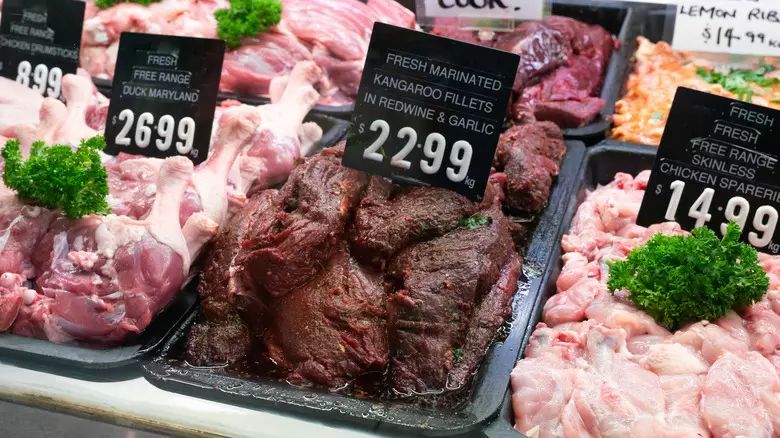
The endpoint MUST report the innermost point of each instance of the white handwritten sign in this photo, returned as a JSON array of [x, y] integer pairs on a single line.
[[506, 9], [740, 27]]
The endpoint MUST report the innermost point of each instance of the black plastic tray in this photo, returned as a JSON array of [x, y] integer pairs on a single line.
[[88, 362], [170, 373], [653, 22], [601, 164], [67, 359], [333, 130]]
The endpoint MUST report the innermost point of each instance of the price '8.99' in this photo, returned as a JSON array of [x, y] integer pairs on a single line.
[[41, 79], [140, 131], [434, 148], [737, 210]]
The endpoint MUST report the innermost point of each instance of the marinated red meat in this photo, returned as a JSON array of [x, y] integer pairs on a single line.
[[336, 276], [386, 221], [333, 327], [530, 156]]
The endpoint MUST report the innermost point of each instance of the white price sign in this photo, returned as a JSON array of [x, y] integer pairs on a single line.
[[739, 27], [506, 9]]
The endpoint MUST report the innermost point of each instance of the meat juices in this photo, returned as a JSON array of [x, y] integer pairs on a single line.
[[598, 366], [335, 276]]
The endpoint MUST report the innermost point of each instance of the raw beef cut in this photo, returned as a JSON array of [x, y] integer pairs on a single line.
[[530, 156], [716, 378], [333, 33], [562, 63], [337, 275]]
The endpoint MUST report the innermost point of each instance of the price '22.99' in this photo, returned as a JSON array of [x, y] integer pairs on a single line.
[[47, 82], [166, 128], [434, 148]]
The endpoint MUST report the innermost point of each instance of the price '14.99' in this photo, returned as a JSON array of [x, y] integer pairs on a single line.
[[433, 148], [737, 209]]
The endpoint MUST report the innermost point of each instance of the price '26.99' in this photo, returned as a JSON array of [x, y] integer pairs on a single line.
[[434, 148], [140, 131], [737, 210], [47, 82]]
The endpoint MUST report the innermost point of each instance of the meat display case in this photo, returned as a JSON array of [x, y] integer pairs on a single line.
[[599, 167], [67, 359], [168, 371]]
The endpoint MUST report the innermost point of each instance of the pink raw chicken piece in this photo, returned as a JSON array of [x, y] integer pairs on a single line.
[[670, 359], [763, 324], [741, 397], [543, 382], [281, 137], [713, 340], [18, 105], [61, 124], [683, 418], [106, 276], [615, 313], [616, 392], [570, 306]]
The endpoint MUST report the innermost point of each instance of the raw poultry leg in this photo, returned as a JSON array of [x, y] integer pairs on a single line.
[[277, 145], [106, 276]]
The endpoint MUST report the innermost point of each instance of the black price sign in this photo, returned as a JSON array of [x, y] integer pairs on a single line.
[[717, 162], [430, 110], [40, 42], [164, 96]]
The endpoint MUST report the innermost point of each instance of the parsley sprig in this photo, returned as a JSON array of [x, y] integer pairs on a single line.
[[59, 177], [246, 18], [679, 279]]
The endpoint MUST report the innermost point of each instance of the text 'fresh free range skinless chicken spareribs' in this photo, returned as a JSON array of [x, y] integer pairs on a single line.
[[100, 279]]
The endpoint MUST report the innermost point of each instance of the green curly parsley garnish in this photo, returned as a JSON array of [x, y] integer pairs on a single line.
[[246, 18], [109, 3], [740, 82], [58, 177], [476, 221], [680, 279], [457, 355]]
